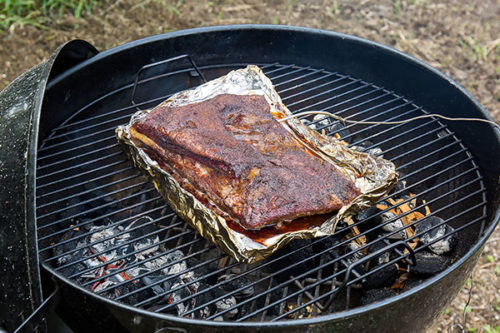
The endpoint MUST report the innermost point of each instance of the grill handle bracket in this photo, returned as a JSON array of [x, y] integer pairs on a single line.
[[162, 62], [35, 318], [375, 254]]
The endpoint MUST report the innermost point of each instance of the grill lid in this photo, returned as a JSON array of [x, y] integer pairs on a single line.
[[20, 104]]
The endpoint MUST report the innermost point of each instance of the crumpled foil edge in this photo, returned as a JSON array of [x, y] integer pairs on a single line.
[[374, 176]]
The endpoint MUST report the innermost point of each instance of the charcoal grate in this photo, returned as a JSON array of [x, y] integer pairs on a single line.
[[102, 224]]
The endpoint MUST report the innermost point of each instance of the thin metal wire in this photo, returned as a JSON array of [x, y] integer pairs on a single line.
[[435, 115]]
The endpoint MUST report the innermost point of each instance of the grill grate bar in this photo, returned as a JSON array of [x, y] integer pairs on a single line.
[[142, 249], [130, 108], [307, 89], [327, 75], [356, 105], [360, 278], [294, 71], [82, 224], [79, 156], [427, 202], [249, 315], [156, 256], [413, 129], [60, 152], [121, 180], [384, 112], [279, 68], [127, 188], [101, 217], [173, 276], [128, 168], [444, 147], [310, 258], [427, 144], [365, 110], [268, 299], [329, 91], [315, 88], [80, 138], [79, 165], [153, 221], [392, 128], [83, 173]]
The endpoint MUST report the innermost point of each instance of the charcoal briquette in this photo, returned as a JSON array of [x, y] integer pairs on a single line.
[[428, 230], [394, 228], [294, 260], [237, 283], [428, 264]]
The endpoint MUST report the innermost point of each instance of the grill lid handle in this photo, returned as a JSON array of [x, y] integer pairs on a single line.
[[20, 105]]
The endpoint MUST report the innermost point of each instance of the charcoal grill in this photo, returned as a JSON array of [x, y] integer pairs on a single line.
[[81, 183]]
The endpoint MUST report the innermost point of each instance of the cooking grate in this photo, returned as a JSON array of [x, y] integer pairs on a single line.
[[91, 202]]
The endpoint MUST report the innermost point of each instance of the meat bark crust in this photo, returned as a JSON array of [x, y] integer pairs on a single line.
[[242, 159]]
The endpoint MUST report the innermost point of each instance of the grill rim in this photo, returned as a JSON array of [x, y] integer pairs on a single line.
[[469, 255]]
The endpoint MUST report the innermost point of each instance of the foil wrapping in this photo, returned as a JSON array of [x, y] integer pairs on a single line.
[[374, 176]]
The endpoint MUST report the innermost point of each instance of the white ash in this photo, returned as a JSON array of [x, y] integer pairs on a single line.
[[440, 247], [205, 312], [393, 226], [173, 256], [225, 304], [306, 122], [146, 242], [175, 268], [375, 151], [321, 120], [122, 238], [99, 236], [189, 277], [384, 258], [353, 247], [134, 271], [164, 260], [92, 262], [176, 297], [109, 256], [430, 229], [116, 278], [107, 283], [155, 264]]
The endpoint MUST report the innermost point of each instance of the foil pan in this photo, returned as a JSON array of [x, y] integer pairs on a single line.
[[374, 176]]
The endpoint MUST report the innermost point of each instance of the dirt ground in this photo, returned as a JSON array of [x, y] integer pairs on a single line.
[[461, 39]]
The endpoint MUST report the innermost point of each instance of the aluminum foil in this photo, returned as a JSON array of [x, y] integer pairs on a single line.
[[374, 176]]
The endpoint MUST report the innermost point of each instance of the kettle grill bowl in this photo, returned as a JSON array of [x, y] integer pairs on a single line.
[[117, 68]]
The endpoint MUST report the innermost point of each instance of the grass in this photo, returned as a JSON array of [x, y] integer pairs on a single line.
[[397, 7], [39, 12]]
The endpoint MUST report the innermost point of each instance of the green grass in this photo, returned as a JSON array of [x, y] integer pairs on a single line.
[[39, 12], [489, 329], [397, 7]]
